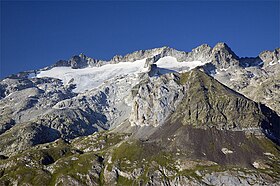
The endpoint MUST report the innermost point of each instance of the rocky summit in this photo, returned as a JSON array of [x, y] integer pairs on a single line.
[[151, 117]]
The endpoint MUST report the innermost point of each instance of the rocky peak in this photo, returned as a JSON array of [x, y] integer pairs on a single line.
[[78, 61], [221, 45], [201, 48], [62, 63], [200, 53], [223, 56], [83, 56], [116, 58], [270, 57], [224, 48]]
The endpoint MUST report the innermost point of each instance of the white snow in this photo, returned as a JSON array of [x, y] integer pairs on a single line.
[[171, 63], [226, 151], [74, 158], [92, 77], [224, 69], [268, 154], [260, 63], [274, 63]]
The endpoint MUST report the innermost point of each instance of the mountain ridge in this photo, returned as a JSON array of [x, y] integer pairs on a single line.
[[82, 61], [158, 116]]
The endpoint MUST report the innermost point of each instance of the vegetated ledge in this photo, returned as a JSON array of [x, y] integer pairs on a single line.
[[108, 158]]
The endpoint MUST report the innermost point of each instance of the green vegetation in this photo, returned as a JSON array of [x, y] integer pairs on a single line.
[[184, 78], [137, 151], [101, 140], [145, 156], [77, 167], [193, 173], [64, 158], [124, 181], [72, 163]]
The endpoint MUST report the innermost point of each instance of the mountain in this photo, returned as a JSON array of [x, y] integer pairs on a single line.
[[152, 117]]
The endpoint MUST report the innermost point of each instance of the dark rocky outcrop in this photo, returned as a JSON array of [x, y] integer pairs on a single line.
[[209, 103]]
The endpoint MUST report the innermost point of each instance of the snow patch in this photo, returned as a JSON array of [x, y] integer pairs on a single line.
[[274, 62], [268, 154], [171, 63], [260, 63], [74, 158], [227, 151], [224, 69], [92, 77]]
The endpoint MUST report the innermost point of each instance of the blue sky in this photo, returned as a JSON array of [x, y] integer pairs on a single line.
[[37, 34]]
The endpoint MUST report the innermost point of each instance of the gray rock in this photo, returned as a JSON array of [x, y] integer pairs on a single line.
[[270, 57]]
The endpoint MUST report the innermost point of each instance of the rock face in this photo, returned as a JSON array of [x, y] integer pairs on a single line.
[[256, 78], [78, 62], [223, 56], [208, 102], [204, 117], [270, 57], [154, 100], [196, 99]]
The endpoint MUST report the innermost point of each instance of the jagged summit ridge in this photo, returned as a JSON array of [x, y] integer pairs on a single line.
[[221, 55], [199, 53]]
